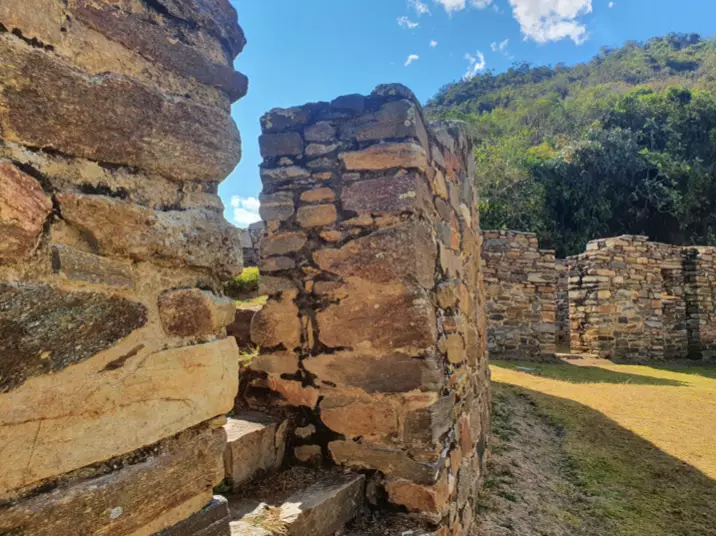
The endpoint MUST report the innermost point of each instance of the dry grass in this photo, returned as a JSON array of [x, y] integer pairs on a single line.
[[640, 442]]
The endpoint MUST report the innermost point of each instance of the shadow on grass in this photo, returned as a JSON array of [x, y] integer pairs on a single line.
[[707, 371], [633, 488], [567, 372]]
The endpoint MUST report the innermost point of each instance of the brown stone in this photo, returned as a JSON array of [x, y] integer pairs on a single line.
[[270, 285], [77, 265], [24, 207], [135, 499], [283, 243], [382, 317], [420, 499], [391, 373], [400, 253], [281, 175], [386, 156], [195, 237], [284, 144], [392, 462], [108, 406], [397, 119], [278, 206], [277, 323], [318, 195], [294, 392], [240, 328], [45, 329], [317, 216], [320, 132], [427, 419], [447, 294], [277, 264], [317, 149], [388, 194], [455, 349], [276, 363], [112, 119], [308, 453], [351, 416], [194, 312]]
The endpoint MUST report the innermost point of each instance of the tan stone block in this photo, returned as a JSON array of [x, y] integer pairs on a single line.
[[194, 237], [140, 498], [447, 293], [318, 195], [283, 243], [77, 265], [386, 255], [308, 453], [455, 349], [194, 312], [277, 323], [317, 215], [278, 206], [356, 416], [24, 207], [113, 119], [294, 392], [386, 156], [391, 194], [108, 406], [428, 501]]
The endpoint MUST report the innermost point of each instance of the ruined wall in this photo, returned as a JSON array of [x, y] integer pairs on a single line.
[[562, 334], [115, 132], [635, 300], [375, 332], [520, 281]]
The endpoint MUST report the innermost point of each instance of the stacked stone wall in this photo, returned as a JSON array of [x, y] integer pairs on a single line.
[[521, 284], [374, 333], [563, 337], [115, 132], [635, 300]]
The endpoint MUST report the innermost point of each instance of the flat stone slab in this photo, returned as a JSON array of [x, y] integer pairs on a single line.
[[320, 509], [212, 520]]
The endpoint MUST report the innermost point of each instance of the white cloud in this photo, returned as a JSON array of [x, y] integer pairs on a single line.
[[405, 22], [459, 5], [552, 20], [246, 210], [433, 43], [411, 59], [420, 7], [475, 64], [500, 47], [611, 4]]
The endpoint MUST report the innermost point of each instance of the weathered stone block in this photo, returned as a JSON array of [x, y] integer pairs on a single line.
[[397, 119], [111, 119], [24, 207], [392, 254], [400, 193], [318, 195], [77, 265], [285, 144], [194, 312], [212, 520], [359, 416], [283, 243], [386, 156], [317, 215], [45, 329], [277, 324], [173, 480], [195, 237], [108, 406]]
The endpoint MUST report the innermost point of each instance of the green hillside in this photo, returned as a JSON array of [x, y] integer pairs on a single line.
[[625, 143]]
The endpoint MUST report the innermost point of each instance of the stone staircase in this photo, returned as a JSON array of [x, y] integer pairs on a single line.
[[297, 501]]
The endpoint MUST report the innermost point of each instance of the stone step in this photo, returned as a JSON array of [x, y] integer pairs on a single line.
[[299, 502], [390, 524], [256, 444]]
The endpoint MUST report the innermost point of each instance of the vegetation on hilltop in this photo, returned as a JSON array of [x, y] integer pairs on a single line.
[[623, 144]]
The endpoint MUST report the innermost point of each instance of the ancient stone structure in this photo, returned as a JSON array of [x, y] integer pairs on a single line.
[[115, 132], [251, 243], [520, 282], [635, 300], [562, 329], [373, 339]]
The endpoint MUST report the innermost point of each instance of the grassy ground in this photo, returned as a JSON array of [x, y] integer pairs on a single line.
[[639, 443]]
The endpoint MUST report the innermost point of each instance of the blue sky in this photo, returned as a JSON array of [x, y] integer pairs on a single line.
[[302, 51]]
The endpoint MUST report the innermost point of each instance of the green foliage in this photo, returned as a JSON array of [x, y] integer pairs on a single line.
[[623, 144], [244, 284]]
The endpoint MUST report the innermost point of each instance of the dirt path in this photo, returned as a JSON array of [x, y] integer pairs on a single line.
[[528, 491]]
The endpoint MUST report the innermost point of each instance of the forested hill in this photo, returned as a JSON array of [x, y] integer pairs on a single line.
[[625, 143]]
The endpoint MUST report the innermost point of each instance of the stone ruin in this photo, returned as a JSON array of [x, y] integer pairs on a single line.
[[373, 341], [521, 285], [635, 300], [115, 370]]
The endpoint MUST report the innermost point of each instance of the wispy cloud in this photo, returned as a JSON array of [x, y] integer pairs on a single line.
[[500, 47], [475, 64], [245, 210], [546, 20], [411, 59], [420, 7], [405, 22], [458, 5], [611, 5], [433, 43]]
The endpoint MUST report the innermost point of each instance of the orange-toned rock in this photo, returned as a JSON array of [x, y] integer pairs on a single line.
[[193, 312], [294, 392], [317, 216], [352, 416], [386, 156], [277, 323]]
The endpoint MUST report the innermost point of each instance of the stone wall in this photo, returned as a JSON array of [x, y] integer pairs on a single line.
[[115, 132], [374, 333], [520, 281], [635, 300], [562, 335]]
